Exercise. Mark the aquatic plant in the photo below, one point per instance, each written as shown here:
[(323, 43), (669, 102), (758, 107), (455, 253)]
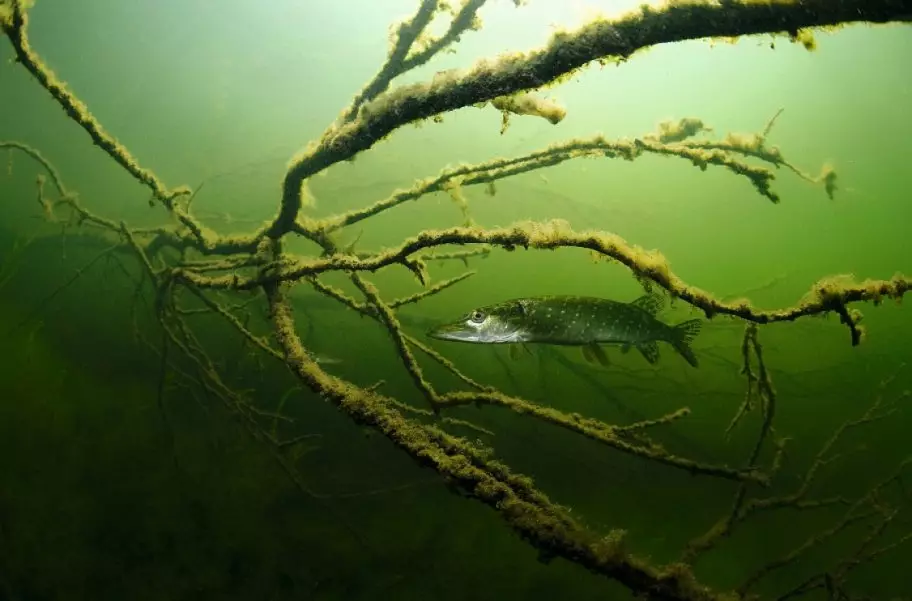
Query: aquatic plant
[(205, 263)]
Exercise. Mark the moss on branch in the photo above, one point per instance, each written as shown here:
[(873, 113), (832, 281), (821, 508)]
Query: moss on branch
[(564, 54), (257, 262)]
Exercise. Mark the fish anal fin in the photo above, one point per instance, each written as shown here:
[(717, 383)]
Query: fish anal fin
[(650, 302), (598, 353), (650, 350)]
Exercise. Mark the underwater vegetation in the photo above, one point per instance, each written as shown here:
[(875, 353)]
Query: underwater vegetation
[(185, 270)]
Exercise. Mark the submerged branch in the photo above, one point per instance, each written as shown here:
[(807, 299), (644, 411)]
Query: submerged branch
[(257, 262), (600, 39)]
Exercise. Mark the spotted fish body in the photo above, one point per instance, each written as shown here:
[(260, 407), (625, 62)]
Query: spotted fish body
[(574, 320)]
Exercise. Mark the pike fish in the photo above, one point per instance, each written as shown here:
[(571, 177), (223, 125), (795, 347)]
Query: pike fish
[(582, 321)]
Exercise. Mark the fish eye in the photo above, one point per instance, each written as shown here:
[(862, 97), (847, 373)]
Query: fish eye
[(477, 316)]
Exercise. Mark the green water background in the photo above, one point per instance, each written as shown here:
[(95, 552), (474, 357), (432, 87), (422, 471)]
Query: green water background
[(103, 500)]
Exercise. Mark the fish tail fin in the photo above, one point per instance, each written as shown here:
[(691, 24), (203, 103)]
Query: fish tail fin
[(681, 337)]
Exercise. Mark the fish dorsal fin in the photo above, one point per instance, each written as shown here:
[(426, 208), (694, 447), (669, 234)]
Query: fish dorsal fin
[(650, 302), (650, 350)]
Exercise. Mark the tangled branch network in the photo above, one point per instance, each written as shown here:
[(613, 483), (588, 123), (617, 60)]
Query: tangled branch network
[(207, 266)]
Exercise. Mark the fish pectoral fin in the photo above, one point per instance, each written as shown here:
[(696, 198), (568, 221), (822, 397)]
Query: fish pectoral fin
[(598, 353), (593, 353), (650, 350)]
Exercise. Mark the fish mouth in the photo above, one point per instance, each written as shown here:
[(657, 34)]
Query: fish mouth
[(451, 332)]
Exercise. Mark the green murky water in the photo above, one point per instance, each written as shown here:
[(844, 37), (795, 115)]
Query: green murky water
[(121, 481)]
